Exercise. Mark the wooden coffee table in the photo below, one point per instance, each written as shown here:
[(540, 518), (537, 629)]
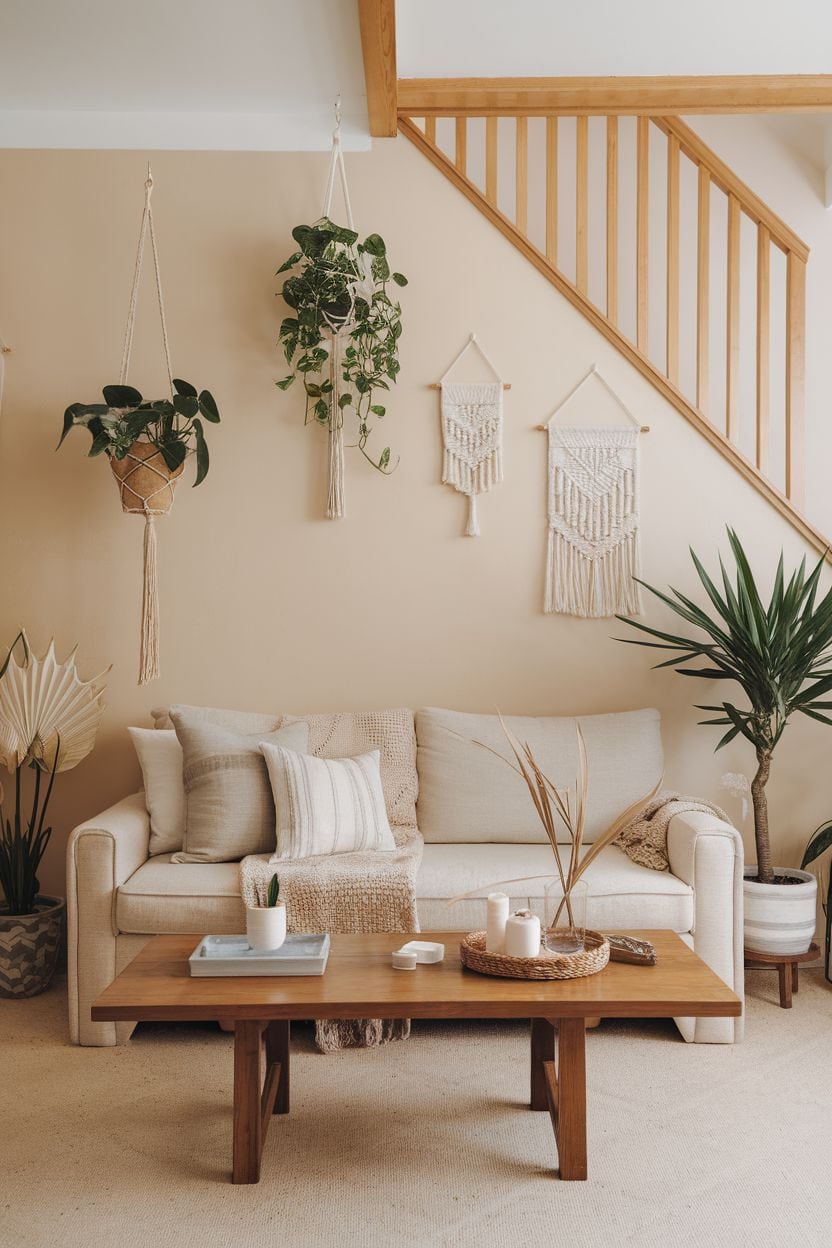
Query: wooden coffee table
[(359, 982)]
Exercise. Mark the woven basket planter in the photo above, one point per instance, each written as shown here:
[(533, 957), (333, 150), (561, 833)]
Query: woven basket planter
[(146, 484), (592, 958), (29, 945)]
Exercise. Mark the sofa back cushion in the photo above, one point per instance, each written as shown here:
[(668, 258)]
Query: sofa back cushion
[(466, 794), (347, 734)]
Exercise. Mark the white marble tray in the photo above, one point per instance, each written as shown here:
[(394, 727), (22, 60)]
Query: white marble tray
[(231, 955)]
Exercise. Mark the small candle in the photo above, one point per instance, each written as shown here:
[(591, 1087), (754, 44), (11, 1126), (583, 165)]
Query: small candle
[(495, 926), (522, 935)]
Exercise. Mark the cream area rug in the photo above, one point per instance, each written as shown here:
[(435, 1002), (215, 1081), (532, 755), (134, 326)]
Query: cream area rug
[(424, 1144)]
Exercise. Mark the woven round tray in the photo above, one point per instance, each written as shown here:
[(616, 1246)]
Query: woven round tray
[(592, 958)]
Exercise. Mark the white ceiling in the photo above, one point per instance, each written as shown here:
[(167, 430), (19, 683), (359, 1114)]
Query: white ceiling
[(543, 38), (222, 74), (263, 74)]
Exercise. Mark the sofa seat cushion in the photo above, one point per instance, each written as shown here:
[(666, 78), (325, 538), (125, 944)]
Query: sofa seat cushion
[(621, 893), (165, 897)]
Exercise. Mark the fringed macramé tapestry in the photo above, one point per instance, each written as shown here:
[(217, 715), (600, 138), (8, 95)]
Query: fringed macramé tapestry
[(472, 431), (472, 435), (593, 506)]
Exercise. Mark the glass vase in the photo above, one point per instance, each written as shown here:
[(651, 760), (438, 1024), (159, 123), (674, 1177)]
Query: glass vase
[(565, 917)]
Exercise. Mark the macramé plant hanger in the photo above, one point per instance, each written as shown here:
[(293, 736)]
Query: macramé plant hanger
[(342, 337), (472, 433), (147, 442)]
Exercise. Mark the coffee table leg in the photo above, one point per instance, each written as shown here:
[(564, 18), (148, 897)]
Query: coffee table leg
[(277, 1053), (248, 1124), (571, 1109), (543, 1050)]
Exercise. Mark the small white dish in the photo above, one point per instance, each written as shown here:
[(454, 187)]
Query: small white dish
[(425, 950), (404, 960)]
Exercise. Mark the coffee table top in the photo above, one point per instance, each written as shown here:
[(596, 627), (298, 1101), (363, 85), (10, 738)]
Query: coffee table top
[(359, 982)]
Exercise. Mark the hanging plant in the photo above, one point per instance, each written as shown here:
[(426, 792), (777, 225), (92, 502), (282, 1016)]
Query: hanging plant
[(147, 442), (344, 319), (172, 426)]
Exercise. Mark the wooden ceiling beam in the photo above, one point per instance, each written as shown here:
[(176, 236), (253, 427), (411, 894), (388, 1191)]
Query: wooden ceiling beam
[(377, 19), (656, 97)]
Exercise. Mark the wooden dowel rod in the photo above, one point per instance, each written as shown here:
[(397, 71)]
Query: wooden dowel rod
[(437, 385), (544, 428)]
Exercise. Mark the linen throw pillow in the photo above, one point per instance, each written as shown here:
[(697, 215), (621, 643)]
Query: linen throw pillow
[(230, 809), (160, 758), (327, 805)]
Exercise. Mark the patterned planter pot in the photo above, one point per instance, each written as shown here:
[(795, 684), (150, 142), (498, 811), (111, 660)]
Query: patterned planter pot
[(29, 945), (780, 918)]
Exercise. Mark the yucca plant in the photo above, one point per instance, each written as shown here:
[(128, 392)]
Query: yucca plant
[(780, 654)]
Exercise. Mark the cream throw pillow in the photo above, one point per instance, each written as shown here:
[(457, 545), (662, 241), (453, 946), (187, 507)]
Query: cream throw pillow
[(160, 758), (327, 805), (230, 810)]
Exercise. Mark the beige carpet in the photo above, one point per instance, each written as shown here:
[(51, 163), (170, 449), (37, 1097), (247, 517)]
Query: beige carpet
[(423, 1143)]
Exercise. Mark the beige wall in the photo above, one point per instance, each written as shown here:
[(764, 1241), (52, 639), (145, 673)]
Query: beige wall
[(264, 603)]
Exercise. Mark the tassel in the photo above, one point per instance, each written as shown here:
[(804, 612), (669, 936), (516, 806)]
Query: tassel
[(473, 529), (335, 499), (149, 652)]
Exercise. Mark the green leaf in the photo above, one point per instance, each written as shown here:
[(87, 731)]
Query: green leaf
[(286, 382), (274, 891), (208, 407), (290, 263), (184, 387), (344, 401), (202, 460), (374, 244), (69, 420), (384, 460), (99, 444), (377, 409), (819, 842), (186, 405), (173, 454), (121, 396), (399, 279)]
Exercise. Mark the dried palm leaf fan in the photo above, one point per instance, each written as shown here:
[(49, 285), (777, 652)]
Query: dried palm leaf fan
[(147, 442)]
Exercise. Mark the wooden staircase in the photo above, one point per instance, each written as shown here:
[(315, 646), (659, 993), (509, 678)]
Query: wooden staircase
[(700, 249)]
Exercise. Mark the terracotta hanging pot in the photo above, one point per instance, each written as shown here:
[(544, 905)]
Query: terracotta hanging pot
[(146, 483)]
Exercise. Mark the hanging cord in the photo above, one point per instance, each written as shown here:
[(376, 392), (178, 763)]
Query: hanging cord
[(336, 162), (335, 496), (147, 221), (4, 351)]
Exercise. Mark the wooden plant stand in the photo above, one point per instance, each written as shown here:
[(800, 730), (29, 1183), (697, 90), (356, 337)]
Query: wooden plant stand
[(787, 964)]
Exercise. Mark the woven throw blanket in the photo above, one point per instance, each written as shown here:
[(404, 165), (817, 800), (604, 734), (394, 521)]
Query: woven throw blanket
[(645, 839), (367, 891)]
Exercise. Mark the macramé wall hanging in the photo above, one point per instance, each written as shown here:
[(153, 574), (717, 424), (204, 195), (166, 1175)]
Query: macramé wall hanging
[(342, 337), (147, 442), (593, 508), (472, 434)]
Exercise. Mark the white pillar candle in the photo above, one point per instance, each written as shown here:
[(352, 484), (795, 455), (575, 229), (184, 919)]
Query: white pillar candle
[(522, 935), (495, 924)]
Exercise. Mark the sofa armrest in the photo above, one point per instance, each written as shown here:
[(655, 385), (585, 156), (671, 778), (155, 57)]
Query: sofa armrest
[(707, 853), (101, 855)]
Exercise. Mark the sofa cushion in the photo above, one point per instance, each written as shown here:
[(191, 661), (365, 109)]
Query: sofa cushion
[(166, 897), (621, 893), (238, 721), (160, 758), (347, 733), (467, 794)]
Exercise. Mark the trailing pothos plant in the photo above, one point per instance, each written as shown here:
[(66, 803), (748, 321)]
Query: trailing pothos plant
[(338, 285), (173, 426)]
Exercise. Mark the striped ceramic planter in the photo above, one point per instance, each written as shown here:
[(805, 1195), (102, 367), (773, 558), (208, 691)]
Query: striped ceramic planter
[(780, 918), (29, 945)]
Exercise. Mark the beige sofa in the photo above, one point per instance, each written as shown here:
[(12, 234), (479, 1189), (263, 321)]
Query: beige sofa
[(478, 825)]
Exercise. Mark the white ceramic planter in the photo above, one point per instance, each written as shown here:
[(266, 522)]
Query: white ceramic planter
[(266, 927), (780, 918)]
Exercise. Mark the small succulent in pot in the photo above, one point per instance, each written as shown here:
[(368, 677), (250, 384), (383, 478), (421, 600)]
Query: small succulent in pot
[(266, 925), (174, 426)]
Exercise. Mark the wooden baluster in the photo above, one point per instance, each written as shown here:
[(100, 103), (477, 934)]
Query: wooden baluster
[(491, 159), (732, 327), (522, 174), (703, 284), (673, 259), (795, 378), (763, 344), (612, 219), (581, 203), (461, 153), (642, 224), (552, 190), (430, 130)]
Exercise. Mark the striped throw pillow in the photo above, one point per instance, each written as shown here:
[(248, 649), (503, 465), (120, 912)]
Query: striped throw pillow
[(327, 805)]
